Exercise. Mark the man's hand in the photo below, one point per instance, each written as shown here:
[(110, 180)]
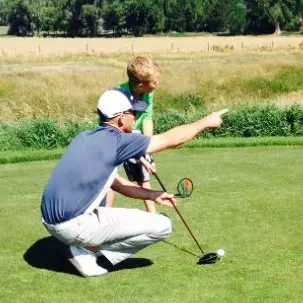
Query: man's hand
[(181, 134), (163, 198), (214, 120)]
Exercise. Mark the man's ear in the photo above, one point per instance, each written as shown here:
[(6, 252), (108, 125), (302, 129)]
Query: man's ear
[(120, 121)]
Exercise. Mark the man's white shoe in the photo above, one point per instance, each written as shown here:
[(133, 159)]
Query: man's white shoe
[(86, 262), (98, 253)]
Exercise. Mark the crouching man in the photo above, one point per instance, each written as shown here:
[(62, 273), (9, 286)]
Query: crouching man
[(73, 201)]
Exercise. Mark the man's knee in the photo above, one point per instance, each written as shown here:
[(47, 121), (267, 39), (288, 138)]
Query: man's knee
[(164, 228)]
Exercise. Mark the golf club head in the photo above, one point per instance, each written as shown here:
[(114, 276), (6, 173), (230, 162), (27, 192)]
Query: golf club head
[(185, 188), (209, 258)]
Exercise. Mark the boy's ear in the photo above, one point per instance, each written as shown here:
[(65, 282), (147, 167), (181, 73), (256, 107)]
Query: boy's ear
[(140, 85)]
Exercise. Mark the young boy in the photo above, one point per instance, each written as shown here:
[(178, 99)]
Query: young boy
[(143, 79)]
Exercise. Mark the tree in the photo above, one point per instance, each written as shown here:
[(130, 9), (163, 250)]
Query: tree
[(50, 19), (114, 17), (226, 15), (19, 18), (74, 23), (235, 16), (174, 16), (156, 18), (135, 16), (299, 14), (257, 20), (205, 10), (81, 17), (50, 15), (190, 14), (3, 13), (89, 15), (216, 19), (138, 15), (279, 12)]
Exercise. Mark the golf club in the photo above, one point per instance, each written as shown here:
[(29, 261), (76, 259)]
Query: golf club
[(207, 258)]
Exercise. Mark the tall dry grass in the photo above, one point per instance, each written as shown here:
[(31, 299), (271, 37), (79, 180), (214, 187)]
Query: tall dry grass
[(68, 86), (54, 89), (10, 47)]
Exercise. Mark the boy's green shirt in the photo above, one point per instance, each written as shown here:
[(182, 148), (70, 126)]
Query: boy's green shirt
[(148, 98)]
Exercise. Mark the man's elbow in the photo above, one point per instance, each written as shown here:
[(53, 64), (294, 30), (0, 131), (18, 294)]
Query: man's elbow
[(162, 142)]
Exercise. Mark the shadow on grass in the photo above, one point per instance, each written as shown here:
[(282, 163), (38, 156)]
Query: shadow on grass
[(180, 248), (49, 253)]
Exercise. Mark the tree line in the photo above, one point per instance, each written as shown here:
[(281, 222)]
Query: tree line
[(82, 18)]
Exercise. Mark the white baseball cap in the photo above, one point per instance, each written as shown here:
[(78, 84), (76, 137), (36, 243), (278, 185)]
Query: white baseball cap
[(115, 101)]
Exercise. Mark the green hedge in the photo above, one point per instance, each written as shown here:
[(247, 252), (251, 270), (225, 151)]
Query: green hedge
[(41, 133), (255, 121)]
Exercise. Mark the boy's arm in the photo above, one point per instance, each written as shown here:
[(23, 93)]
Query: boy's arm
[(148, 127), (147, 124), (148, 130)]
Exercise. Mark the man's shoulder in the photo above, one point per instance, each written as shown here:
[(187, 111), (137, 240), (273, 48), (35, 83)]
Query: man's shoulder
[(102, 131), (132, 137)]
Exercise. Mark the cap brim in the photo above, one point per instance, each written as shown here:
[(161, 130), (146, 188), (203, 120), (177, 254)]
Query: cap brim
[(138, 106)]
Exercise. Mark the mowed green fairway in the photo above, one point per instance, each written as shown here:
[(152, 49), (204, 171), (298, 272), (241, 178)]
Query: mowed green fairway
[(246, 200)]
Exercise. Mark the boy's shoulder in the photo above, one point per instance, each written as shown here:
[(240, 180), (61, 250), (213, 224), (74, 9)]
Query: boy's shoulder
[(124, 85), (147, 97)]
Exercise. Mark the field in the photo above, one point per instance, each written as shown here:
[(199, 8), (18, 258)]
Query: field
[(25, 47), (67, 86), (246, 200)]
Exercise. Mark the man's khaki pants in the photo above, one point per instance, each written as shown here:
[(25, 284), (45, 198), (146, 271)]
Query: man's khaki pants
[(117, 232)]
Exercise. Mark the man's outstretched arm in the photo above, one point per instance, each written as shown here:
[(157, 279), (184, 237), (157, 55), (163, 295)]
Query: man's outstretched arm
[(181, 134)]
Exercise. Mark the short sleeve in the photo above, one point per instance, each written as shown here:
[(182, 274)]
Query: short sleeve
[(131, 145)]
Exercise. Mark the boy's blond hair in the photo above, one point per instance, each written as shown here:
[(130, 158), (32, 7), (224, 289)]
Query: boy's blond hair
[(142, 70)]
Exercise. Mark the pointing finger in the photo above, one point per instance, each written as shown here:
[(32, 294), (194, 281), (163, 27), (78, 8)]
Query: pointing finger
[(223, 111)]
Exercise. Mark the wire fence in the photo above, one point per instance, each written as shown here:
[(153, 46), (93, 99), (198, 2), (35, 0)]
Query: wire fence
[(32, 46)]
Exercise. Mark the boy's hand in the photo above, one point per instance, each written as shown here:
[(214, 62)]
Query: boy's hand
[(149, 166)]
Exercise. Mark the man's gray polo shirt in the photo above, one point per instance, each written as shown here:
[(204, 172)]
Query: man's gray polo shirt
[(87, 170)]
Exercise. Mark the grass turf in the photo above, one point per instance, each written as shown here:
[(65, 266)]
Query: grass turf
[(28, 155), (246, 200)]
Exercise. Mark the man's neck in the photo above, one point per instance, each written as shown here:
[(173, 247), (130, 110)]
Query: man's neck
[(113, 124)]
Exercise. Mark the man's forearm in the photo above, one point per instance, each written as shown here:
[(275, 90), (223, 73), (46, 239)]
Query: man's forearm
[(181, 134), (176, 136), (131, 190)]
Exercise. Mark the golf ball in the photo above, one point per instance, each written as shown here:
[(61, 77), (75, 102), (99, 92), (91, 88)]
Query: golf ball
[(221, 252)]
